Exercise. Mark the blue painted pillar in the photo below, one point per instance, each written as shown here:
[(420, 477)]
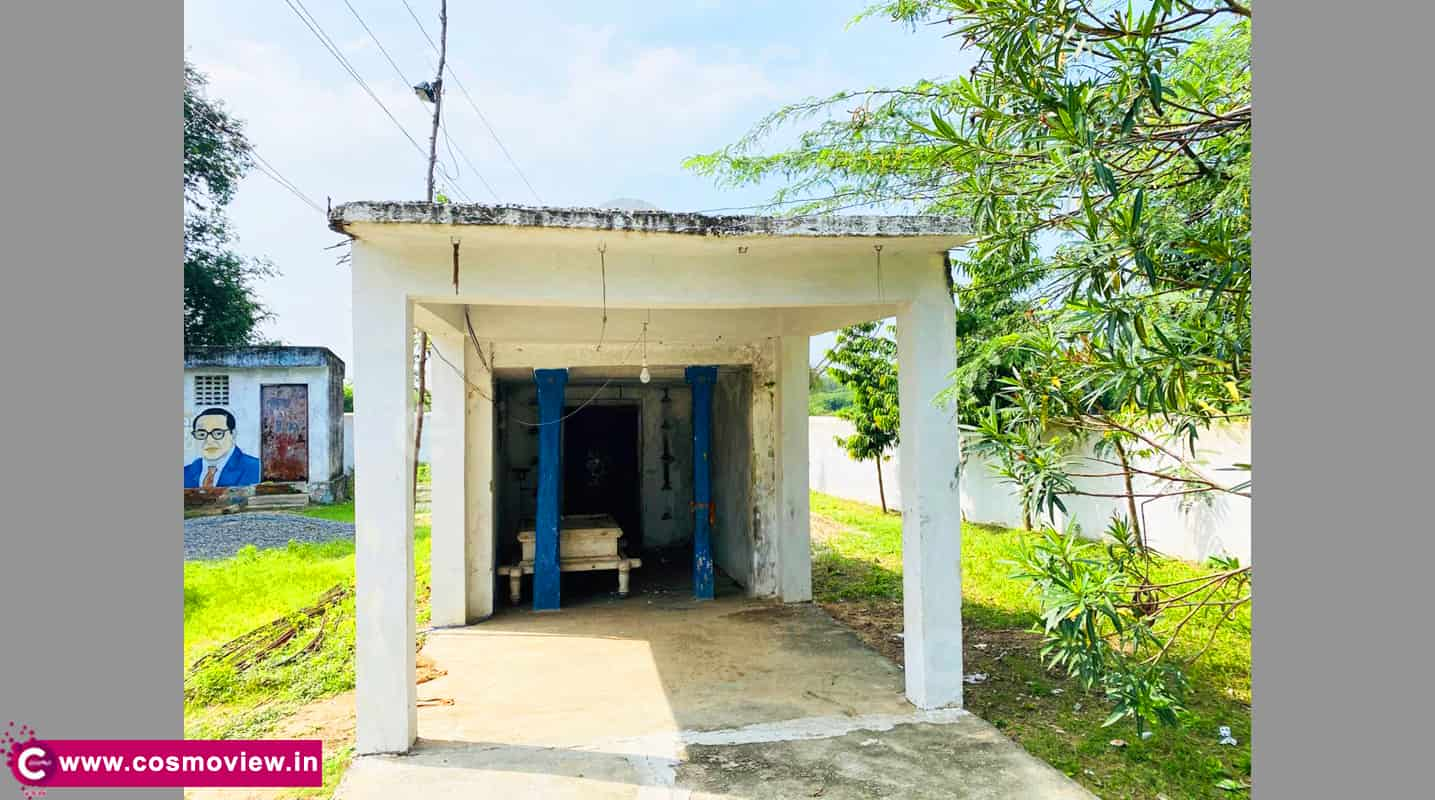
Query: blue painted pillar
[(702, 380), (548, 518)]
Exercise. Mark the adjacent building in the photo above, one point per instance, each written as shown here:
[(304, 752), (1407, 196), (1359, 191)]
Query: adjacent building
[(263, 426)]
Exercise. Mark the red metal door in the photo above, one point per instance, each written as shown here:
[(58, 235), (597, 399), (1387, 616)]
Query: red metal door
[(284, 432)]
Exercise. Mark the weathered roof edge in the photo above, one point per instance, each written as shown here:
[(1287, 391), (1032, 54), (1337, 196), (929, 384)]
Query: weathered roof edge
[(668, 222), (262, 356)]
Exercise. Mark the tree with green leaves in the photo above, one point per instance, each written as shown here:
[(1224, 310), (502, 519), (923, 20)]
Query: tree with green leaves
[(220, 306), (826, 395), (865, 361), (1101, 152)]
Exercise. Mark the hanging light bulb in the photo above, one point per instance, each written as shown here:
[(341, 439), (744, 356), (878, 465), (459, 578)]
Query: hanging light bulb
[(645, 376)]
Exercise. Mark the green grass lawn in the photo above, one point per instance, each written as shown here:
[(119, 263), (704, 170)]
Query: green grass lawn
[(857, 575), (226, 598)]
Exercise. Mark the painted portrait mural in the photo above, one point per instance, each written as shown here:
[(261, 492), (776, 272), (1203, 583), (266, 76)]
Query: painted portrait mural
[(221, 463)]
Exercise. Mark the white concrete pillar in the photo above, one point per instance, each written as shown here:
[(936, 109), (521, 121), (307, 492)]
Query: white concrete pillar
[(482, 551), (794, 544), (385, 700), (931, 500), (446, 437), (766, 473)]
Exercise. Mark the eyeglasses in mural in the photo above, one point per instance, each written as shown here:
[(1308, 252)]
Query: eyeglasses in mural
[(220, 462)]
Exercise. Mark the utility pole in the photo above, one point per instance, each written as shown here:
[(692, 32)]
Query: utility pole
[(438, 91), (429, 195)]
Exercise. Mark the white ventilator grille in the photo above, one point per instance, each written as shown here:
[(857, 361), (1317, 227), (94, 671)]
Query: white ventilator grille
[(211, 390)]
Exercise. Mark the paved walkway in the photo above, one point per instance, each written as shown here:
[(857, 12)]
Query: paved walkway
[(659, 696)]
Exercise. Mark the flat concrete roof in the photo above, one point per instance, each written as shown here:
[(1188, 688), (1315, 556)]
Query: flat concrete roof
[(642, 221), (263, 356)]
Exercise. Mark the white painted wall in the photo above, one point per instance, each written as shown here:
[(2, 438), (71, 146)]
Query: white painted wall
[(1194, 529), (348, 442), (732, 472), (666, 515), (244, 383), (746, 432), (448, 437), (430, 418), (832, 472)]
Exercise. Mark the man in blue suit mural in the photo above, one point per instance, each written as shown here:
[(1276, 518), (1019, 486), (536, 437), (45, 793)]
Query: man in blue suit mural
[(220, 463)]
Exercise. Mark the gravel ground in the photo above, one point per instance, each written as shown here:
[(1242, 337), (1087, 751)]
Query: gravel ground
[(221, 536)]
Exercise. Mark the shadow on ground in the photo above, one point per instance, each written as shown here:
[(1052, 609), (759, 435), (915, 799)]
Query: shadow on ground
[(657, 694)]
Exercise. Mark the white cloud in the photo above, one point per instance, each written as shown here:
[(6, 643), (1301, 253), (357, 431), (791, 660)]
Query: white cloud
[(616, 110), (590, 111)]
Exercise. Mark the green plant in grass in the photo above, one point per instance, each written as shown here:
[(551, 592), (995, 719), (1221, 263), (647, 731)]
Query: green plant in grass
[(1021, 695), (228, 598), (826, 404), (1102, 618), (225, 598), (826, 395)]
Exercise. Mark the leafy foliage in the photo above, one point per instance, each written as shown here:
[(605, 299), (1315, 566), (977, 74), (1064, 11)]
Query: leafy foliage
[(864, 361), (857, 577), (220, 307), (827, 396), (1101, 153), (824, 404), (1100, 614)]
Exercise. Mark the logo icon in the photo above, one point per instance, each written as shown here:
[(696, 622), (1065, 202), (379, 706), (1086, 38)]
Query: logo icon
[(31, 761)]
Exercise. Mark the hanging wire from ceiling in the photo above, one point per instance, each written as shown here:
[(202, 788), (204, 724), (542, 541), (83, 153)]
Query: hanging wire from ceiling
[(487, 365), (642, 341), (603, 272), (455, 241), (645, 376), (877, 248)]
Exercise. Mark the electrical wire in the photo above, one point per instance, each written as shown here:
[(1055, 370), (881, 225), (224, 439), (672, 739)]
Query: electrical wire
[(282, 181), (464, 91), (316, 29), (466, 160), (452, 178), (603, 267), (263, 164), (586, 403), (462, 374), (381, 47), (488, 365), (443, 172)]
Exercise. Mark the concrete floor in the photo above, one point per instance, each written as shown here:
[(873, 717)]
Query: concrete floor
[(656, 695)]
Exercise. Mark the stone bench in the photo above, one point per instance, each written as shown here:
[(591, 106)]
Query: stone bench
[(585, 543)]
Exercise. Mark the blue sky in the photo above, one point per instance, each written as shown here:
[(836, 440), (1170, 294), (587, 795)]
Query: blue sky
[(593, 100)]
